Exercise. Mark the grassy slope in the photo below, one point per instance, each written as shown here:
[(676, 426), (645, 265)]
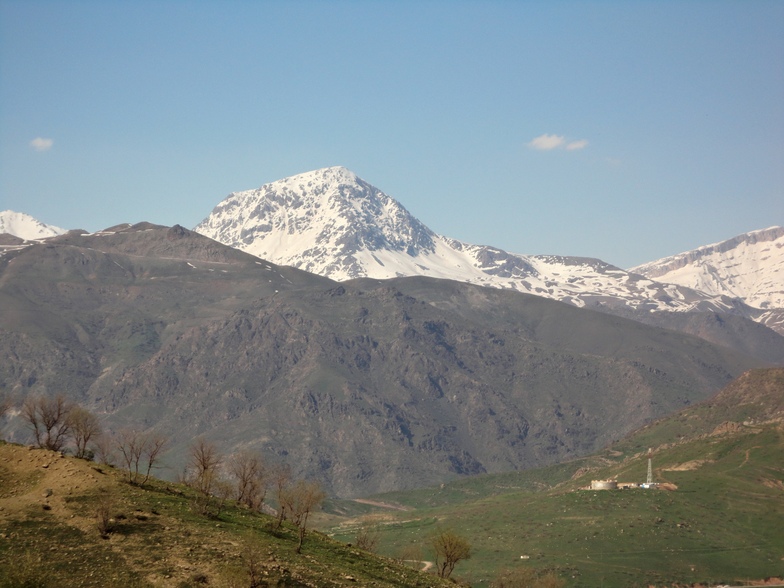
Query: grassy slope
[(722, 524), (49, 535)]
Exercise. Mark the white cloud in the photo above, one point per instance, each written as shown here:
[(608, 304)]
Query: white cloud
[(575, 145), (41, 144), (547, 142)]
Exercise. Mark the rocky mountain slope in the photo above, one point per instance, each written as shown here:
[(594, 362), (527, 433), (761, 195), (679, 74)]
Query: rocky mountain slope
[(25, 226), (335, 224), (367, 385)]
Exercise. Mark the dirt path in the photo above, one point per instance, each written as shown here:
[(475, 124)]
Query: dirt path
[(381, 504)]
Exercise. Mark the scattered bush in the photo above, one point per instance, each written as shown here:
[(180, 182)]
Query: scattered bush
[(368, 537), (103, 515)]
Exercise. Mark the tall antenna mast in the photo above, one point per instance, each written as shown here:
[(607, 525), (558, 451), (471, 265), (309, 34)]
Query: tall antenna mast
[(650, 468)]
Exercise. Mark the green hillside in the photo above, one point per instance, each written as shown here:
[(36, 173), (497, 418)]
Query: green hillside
[(716, 518)]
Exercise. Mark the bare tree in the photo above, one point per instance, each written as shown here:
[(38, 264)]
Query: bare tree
[(48, 418), (450, 548), (85, 426), (368, 537), (104, 449), (222, 492), (411, 555), (138, 448), (203, 472), (301, 499), (5, 404), (281, 478), (154, 444), (130, 443), (250, 474), (254, 566)]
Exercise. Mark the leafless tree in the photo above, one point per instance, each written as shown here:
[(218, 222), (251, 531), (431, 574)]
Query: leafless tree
[(203, 472), (130, 444), (137, 448), (301, 499), (85, 427), (411, 555), (254, 566), (450, 548), (48, 418), (368, 537), (104, 449), (281, 478), (154, 445), (5, 404), (222, 492), (250, 475), (203, 462)]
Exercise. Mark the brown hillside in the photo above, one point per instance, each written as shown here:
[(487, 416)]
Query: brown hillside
[(49, 536)]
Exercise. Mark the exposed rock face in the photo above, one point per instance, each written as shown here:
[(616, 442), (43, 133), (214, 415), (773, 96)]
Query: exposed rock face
[(367, 385)]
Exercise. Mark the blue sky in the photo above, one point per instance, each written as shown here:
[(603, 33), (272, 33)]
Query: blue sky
[(626, 130)]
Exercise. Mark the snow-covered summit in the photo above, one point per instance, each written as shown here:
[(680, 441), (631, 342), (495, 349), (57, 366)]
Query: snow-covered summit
[(26, 227), (749, 266), (333, 223), (325, 221)]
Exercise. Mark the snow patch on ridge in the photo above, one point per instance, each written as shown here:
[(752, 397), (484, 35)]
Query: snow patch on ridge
[(749, 266)]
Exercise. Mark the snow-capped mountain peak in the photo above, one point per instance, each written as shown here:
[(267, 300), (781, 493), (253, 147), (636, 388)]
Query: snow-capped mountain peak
[(326, 221), (333, 223), (26, 227)]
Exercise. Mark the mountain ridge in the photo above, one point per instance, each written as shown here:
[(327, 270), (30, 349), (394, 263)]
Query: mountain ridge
[(365, 385), (710, 270), (333, 223)]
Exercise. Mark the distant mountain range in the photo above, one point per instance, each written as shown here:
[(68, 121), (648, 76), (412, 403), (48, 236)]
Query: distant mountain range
[(333, 223), (367, 385), (392, 377)]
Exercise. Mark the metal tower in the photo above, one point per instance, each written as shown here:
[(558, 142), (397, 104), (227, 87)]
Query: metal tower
[(650, 468)]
